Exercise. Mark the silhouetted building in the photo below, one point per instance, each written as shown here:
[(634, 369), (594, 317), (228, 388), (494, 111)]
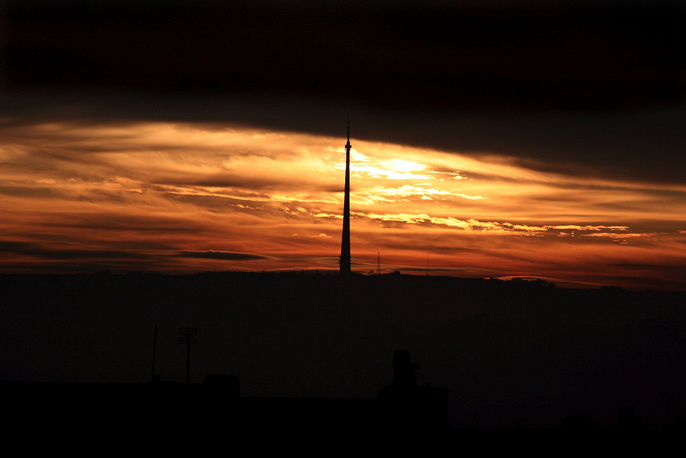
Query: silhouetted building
[(628, 421), (580, 422), (404, 405), (227, 383)]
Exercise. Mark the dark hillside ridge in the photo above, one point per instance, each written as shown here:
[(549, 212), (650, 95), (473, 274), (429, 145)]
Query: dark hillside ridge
[(513, 354)]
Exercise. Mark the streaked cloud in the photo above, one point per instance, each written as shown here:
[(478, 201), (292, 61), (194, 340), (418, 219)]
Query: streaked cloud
[(186, 197)]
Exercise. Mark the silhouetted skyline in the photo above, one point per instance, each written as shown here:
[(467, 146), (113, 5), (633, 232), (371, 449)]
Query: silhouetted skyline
[(176, 169), (513, 355)]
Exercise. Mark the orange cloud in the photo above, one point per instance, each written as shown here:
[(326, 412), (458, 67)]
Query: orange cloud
[(185, 197)]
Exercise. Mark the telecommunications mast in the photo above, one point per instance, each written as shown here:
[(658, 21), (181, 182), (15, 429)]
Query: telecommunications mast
[(345, 242)]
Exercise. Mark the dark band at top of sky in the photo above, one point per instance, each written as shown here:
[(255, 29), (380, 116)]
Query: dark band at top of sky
[(428, 56)]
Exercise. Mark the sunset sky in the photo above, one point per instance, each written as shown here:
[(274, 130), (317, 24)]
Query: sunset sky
[(487, 141)]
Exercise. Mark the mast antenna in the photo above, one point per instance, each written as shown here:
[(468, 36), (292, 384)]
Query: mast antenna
[(348, 145)]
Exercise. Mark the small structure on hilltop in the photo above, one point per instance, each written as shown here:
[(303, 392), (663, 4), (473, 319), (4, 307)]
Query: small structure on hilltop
[(405, 405)]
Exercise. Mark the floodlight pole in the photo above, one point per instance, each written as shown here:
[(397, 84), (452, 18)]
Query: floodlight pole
[(188, 339)]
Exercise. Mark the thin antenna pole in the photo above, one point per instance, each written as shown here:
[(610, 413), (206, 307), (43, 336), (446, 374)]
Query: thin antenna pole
[(154, 352), (378, 263), (348, 128)]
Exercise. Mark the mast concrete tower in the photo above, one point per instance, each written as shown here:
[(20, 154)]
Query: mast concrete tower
[(345, 240)]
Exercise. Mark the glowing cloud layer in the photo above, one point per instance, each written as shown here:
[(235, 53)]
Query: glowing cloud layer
[(184, 198)]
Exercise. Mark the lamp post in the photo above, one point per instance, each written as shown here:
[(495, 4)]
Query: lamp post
[(667, 397)]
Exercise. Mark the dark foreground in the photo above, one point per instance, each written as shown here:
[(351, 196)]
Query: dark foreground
[(515, 357), (179, 418)]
